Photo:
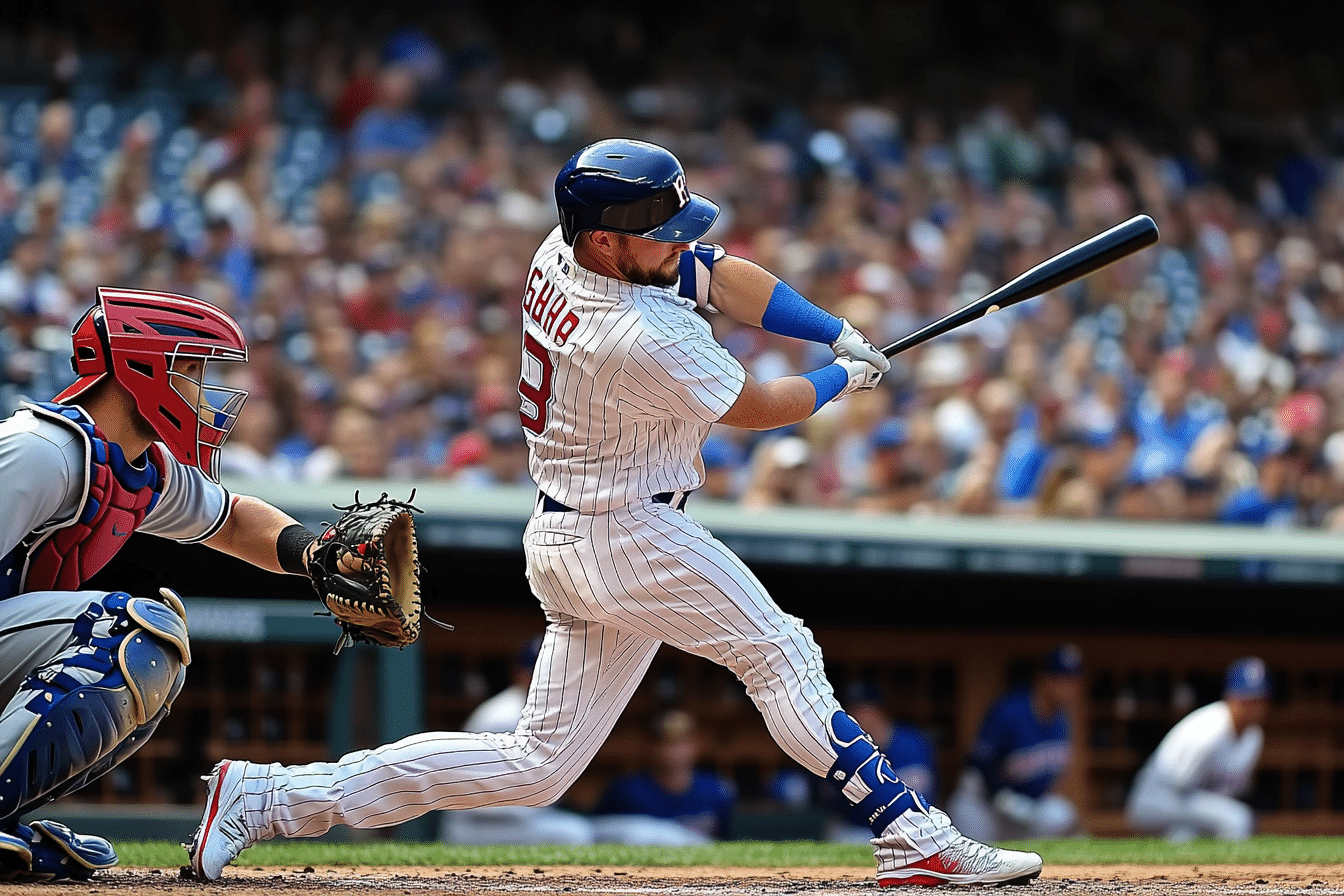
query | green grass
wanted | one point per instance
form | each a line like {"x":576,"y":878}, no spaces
{"x":750,"y":854}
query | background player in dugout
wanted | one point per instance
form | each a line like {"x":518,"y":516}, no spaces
{"x":1024,"y":745}
{"x":622,"y":380}
{"x":133,"y":444}
{"x":1190,"y":786}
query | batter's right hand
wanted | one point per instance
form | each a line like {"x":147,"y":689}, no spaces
{"x":863,"y":376}
{"x":852,"y":345}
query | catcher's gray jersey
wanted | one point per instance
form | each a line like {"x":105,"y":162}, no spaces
{"x":43,"y":469}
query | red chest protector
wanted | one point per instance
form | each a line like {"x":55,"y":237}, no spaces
{"x":117,"y":497}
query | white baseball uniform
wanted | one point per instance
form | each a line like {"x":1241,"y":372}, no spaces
{"x":1188,"y":787}
{"x":620,"y":384}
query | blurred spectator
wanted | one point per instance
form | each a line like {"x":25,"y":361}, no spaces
{"x":722,"y":461}
{"x":521,"y":825}
{"x":389,"y":131}
{"x":1007,"y":790}
{"x":314,"y":412}
{"x":1030,"y":448}
{"x":1189,"y":787}
{"x":781,"y":474}
{"x":672,"y":803}
{"x":894,"y":483}
{"x":252,"y":442}
{"x":497,"y":455}
{"x":30,"y":292}
{"x":1272,"y":499}
{"x":378,"y":305}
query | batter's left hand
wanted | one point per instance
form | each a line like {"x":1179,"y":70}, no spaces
{"x":851,"y":345}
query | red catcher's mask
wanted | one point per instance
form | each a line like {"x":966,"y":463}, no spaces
{"x":137,"y":336}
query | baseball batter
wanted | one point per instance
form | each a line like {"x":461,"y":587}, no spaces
{"x":132,"y":445}
{"x":1189,"y":786}
{"x":621,"y":381}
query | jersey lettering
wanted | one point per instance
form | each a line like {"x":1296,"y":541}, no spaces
{"x":554,"y":313}
{"x":537,"y":300}
{"x":566,"y":327}
{"x":542,"y":300}
{"x":535,"y":385}
{"x":531,"y":290}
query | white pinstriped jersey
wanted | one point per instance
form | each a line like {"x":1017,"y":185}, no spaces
{"x":620,"y":384}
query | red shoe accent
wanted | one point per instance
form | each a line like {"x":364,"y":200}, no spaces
{"x":209,"y":820}
{"x":919,"y":880}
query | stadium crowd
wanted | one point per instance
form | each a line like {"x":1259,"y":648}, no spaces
{"x":368,"y":206}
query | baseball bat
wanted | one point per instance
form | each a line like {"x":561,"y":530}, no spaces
{"x":1087,"y":257}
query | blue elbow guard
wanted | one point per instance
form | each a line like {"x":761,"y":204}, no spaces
{"x":789,"y":314}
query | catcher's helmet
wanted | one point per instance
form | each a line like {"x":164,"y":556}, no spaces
{"x":628,"y":186}
{"x":137,"y":336}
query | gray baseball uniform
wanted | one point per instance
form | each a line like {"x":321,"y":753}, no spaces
{"x":44,"y":480}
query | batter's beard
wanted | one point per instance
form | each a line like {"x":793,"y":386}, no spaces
{"x":645,"y":277}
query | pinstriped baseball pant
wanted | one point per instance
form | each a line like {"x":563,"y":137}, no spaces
{"x":614,"y":586}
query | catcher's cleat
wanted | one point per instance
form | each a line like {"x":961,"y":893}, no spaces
{"x":222,"y":833}
{"x":964,"y":862}
{"x":50,"y":851}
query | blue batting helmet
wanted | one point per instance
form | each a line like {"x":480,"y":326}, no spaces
{"x":628,"y":186}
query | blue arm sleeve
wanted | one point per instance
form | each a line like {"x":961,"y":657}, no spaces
{"x":828,"y":381}
{"x":789,"y":314}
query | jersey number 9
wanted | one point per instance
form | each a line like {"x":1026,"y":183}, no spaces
{"x":534,"y":385}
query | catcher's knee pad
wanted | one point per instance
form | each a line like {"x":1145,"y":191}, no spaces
{"x":865,"y":777}
{"x":93,"y":704}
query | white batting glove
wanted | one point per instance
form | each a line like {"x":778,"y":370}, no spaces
{"x":852,"y":345}
{"x":863,"y":376}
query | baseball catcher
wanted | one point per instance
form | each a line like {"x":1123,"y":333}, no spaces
{"x":366,"y":570}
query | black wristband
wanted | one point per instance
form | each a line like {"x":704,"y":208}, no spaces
{"x":289,"y":548}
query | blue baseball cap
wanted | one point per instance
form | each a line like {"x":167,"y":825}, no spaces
{"x":1247,"y":678}
{"x":1066,"y":659}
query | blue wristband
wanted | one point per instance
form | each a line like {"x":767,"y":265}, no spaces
{"x":789,"y":314}
{"x":829,"y":382}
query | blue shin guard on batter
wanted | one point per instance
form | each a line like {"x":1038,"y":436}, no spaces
{"x":865,"y":777}
{"x":92,"y":705}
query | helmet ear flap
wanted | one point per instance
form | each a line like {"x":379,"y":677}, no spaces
{"x":85,"y":358}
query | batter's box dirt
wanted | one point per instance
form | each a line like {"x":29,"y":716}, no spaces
{"x":1059,"y":880}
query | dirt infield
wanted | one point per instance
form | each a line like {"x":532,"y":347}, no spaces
{"x":1072,"y":880}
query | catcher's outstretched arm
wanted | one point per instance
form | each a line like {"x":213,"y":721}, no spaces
{"x":252,"y":531}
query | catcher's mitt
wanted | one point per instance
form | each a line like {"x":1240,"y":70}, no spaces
{"x":366,"y":569}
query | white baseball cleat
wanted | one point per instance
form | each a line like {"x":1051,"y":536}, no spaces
{"x":222,"y":833}
{"x":964,"y":861}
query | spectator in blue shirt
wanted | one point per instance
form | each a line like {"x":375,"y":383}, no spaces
{"x":389,"y":131}
{"x":1172,"y":416}
{"x":1029,"y":450}
{"x":1272,"y":499}
{"x":672,"y":803}
{"x":1007,"y":790}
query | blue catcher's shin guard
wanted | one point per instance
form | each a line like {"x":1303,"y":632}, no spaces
{"x":865,"y":777}
{"x":93,"y":704}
